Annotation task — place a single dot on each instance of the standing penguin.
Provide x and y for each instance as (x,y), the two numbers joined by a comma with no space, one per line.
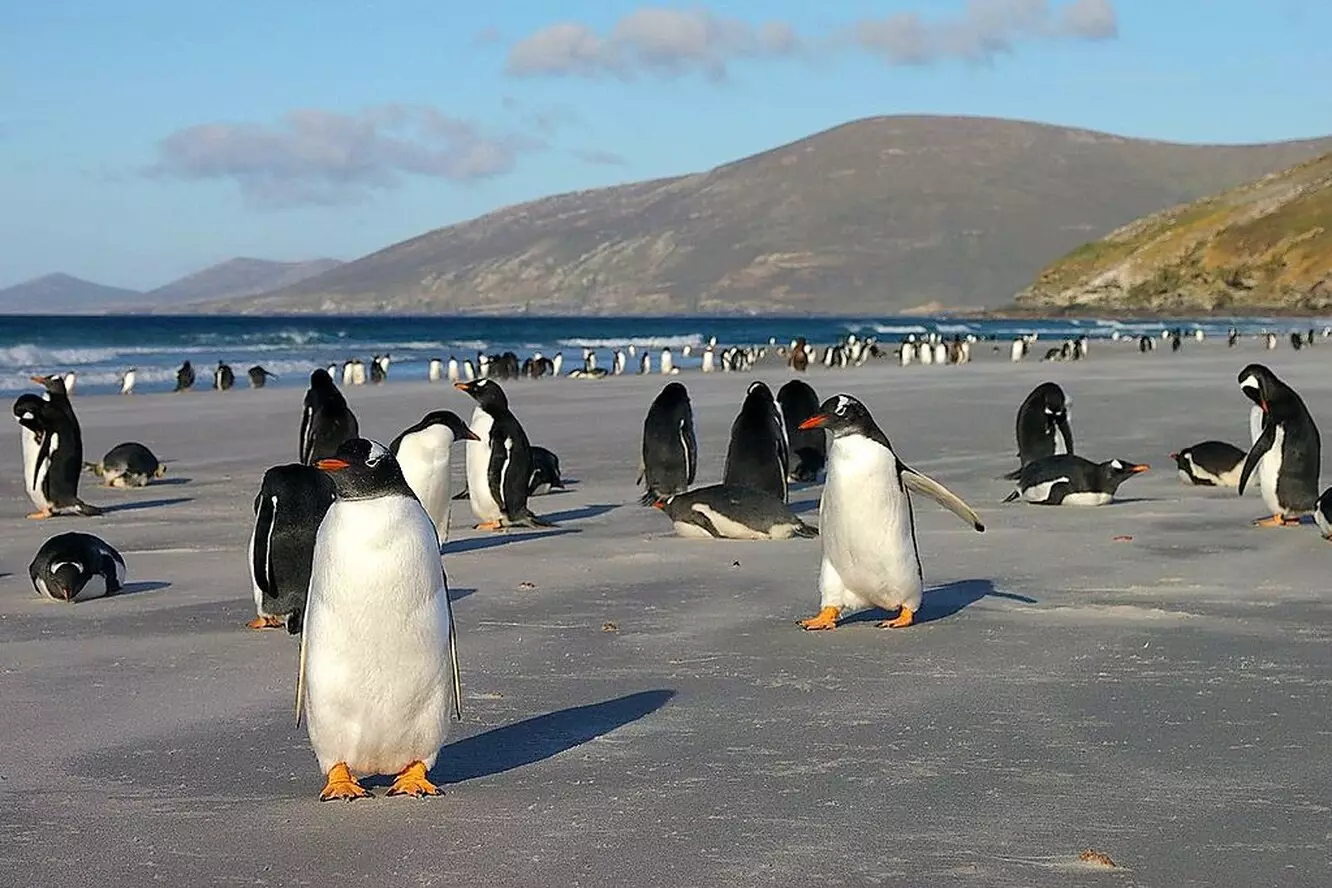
(76,566)
(184,377)
(757,454)
(52,451)
(808,449)
(127,381)
(870,558)
(422,451)
(669,455)
(259,376)
(499,461)
(326,421)
(1042,414)
(291,502)
(378,665)
(223,377)
(1288,447)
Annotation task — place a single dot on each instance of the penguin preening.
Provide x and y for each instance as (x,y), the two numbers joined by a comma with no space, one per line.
(423,451)
(545,472)
(291,502)
(76,566)
(807,450)
(1042,425)
(499,461)
(866,524)
(52,446)
(668,459)
(1210,464)
(378,670)
(723,511)
(1069,480)
(757,454)
(326,420)
(128,465)
(1286,451)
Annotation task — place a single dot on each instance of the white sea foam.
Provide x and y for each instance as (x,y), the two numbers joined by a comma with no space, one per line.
(636,341)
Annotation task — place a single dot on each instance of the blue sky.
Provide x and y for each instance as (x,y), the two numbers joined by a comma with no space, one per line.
(142,140)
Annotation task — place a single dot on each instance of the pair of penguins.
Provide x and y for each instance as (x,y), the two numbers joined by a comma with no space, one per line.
(866,523)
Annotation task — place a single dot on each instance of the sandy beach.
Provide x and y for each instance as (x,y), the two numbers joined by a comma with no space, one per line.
(641,709)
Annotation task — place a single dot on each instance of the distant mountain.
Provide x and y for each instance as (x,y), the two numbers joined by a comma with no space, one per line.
(235,278)
(1264,247)
(66,294)
(880,216)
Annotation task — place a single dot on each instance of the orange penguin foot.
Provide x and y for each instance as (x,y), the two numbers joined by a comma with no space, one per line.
(825,619)
(905,617)
(42,515)
(488,525)
(412,781)
(342,785)
(267,622)
(1276,521)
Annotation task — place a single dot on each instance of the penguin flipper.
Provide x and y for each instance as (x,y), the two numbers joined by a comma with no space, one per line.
(941,495)
(300,678)
(463,495)
(1257,452)
(1012,496)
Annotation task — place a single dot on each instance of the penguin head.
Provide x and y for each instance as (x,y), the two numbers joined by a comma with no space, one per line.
(320,381)
(1117,471)
(27,408)
(841,415)
(66,581)
(364,469)
(1181,458)
(1257,382)
(485,391)
(450,421)
(53,384)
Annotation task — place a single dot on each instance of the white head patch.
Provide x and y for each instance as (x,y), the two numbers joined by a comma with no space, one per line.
(843,402)
(377,452)
(1249,382)
(1116,465)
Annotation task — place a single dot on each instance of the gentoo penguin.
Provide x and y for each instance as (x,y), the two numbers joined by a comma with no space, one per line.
(1018,350)
(757,454)
(376,370)
(709,360)
(223,377)
(870,557)
(557,363)
(76,566)
(127,381)
(1210,464)
(422,451)
(734,513)
(184,377)
(358,372)
(291,502)
(499,461)
(808,448)
(379,668)
(645,362)
(1288,447)
(259,376)
(453,370)
(667,362)
(545,472)
(348,371)
(326,421)
(1070,480)
(52,452)
(436,370)
(668,459)
(128,465)
(469,370)
(1043,414)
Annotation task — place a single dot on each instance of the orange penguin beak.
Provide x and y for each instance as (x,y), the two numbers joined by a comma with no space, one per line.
(660,504)
(40,380)
(469,435)
(461,386)
(817,421)
(1136,469)
(332,464)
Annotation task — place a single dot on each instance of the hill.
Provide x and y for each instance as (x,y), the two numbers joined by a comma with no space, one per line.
(881,216)
(65,294)
(1262,247)
(237,277)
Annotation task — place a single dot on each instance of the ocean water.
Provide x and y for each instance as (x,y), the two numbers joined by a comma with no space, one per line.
(99,349)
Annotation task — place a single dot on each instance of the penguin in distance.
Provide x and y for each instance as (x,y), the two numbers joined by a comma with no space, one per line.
(866,523)
(184,377)
(378,667)
(1288,448)
(722,511)
(668,459)
(259,376)
(76,567)
(499,461)
(1070,480)
(809,448)
(291,502)
(1210,464)
(423,452)
(757,454)
(326,420)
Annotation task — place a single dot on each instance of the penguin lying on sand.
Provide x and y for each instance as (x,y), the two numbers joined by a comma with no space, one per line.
(870,557)
(128,465)
(732,512)
(76,567)
(1210,464)
(1069,480)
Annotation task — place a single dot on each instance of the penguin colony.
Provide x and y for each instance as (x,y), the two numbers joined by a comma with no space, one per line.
(377,675)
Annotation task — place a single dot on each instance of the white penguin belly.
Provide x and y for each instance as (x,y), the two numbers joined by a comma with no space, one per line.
(32,477)
(424,459)
(1270,467)
(484,506)
(728,527)
(1087,498)
(379,684)
(865,525)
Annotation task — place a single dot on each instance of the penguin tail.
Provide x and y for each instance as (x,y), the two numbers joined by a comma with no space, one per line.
(1012,496)
(82,508)
(464,494)
(804,530)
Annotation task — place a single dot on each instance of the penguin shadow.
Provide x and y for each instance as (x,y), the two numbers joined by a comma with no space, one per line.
(146,504)
(541,737)
(459,594)
(944,601)
(162,482)
(135,588)
(476,544)
(576,514)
